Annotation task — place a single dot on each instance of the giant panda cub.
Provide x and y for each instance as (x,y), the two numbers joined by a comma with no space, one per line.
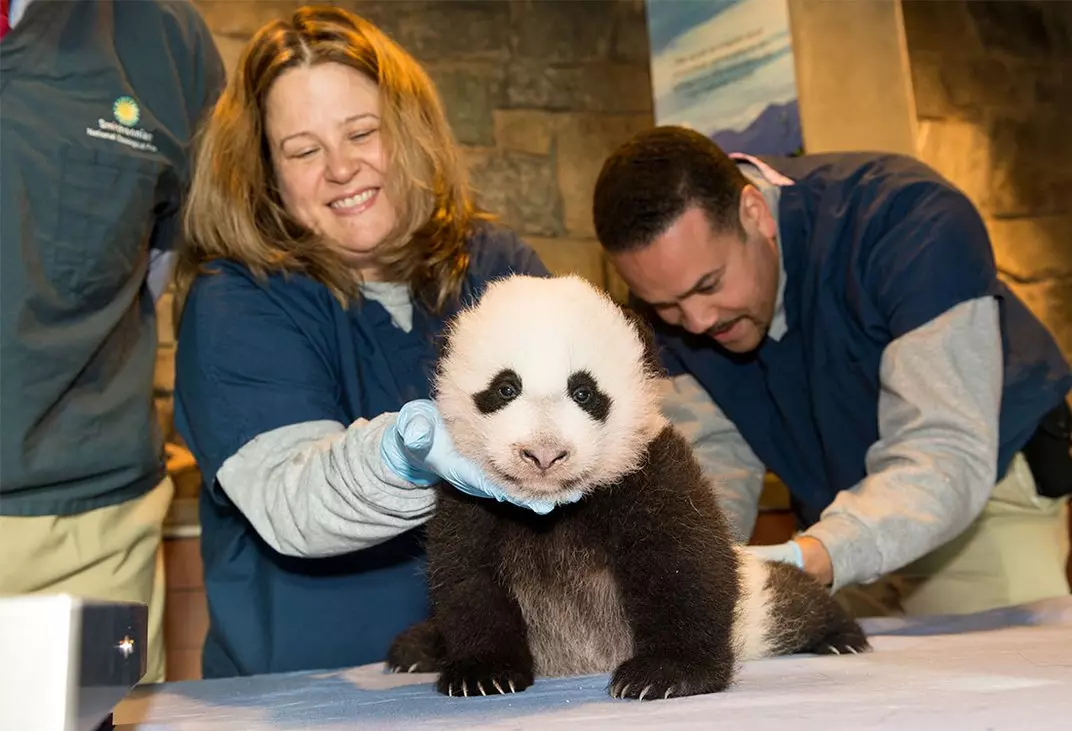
(554,390)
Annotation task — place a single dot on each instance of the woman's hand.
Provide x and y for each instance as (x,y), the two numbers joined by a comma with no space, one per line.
(418,448)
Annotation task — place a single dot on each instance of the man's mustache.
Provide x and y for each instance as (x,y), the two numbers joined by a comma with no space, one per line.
(721,327)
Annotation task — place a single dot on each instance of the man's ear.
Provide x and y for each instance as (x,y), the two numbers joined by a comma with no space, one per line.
(755,214)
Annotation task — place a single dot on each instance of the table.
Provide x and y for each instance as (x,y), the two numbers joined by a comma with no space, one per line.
(1003,669)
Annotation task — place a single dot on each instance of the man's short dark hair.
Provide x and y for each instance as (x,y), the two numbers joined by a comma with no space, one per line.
(652,179)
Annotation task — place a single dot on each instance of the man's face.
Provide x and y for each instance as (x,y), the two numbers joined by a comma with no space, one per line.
(708,282)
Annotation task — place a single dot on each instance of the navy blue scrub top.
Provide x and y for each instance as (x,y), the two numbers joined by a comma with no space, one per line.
(874,246)
(255,355)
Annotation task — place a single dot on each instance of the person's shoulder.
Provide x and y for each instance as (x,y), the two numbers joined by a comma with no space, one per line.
(228,296)
(496,250)
(219,284)
(858,169)
(183,15)
(182,27)
(224,274)
(224,283)
(488,239)
(176,31)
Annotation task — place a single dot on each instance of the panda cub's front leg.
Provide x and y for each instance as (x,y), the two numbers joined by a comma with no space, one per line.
(683,641)
(487,656)
(483,636)
(679,592)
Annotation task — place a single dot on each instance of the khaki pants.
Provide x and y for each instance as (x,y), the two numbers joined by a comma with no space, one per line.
(1014,552)
(112,553)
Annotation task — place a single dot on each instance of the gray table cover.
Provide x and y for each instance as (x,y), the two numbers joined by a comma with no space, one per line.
(1004,669)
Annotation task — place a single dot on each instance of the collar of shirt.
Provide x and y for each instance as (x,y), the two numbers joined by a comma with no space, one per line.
(15,9)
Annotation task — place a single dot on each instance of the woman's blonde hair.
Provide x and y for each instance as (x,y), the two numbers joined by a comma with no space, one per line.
(234,210)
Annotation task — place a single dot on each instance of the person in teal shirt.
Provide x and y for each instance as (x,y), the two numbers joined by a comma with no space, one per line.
(101,101)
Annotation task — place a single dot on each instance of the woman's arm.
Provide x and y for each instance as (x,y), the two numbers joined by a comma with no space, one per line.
(319,488)
(259,405)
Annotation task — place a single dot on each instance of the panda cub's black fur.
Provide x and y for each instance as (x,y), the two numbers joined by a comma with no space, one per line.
(639,577)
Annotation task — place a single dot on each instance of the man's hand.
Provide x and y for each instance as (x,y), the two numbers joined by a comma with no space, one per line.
(805,553)
(816,560)
(788,552)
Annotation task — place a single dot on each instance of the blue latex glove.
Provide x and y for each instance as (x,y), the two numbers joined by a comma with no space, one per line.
(788,552)
(418,448)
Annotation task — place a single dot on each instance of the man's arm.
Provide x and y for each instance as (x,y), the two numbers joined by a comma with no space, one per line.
(727,460)
(934,465)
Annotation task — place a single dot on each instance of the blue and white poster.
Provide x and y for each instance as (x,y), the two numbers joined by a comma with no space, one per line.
(725,68)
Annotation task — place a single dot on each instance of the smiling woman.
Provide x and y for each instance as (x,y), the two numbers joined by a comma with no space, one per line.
(330,235)
(323,110)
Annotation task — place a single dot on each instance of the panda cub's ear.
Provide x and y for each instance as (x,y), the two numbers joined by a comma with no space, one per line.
(647,337)
(441,340)
(441,347)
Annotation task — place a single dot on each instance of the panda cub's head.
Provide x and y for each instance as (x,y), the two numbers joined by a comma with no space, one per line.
(549,386)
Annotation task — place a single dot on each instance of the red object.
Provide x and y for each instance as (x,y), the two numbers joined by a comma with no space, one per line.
(5,26)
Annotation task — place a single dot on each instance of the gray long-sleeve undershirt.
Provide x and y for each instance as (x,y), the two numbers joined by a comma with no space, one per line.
(929,475)
(320,488)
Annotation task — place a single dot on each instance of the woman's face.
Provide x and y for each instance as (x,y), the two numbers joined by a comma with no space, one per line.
(323,128)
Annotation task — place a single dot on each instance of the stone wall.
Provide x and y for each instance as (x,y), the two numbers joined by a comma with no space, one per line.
(993,87)
(538,93)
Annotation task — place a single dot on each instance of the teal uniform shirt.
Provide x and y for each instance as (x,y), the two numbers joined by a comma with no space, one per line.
(100,101)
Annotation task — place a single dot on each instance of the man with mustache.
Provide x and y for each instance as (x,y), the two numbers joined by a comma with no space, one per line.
(838,320)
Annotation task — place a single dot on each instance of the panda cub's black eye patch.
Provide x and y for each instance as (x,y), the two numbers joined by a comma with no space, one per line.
(503,388)
(584,391)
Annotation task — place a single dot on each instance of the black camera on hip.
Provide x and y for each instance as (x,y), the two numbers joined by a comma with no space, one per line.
(1049,453)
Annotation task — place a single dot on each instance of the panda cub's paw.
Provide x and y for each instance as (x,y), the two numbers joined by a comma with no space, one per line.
(851,641)
(654,678)
(416,650)
(473,678)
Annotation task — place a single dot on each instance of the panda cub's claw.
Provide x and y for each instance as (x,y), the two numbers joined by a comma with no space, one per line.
(843,646)
(850,640)
(472,679)
(654,678)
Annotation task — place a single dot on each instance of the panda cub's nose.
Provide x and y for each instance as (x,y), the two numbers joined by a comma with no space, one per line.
(544,457)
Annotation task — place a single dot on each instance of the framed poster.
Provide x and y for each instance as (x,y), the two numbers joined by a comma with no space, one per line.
(725,68)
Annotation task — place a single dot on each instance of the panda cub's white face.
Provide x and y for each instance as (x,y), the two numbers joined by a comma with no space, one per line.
(544,385)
